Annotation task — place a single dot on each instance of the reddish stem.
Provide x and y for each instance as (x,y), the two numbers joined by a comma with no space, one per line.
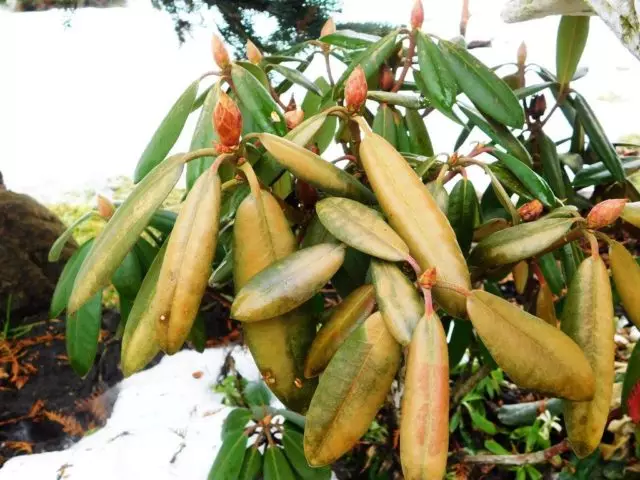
(407,63)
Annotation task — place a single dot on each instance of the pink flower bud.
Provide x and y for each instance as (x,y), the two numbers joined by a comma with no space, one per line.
(220,54)
(293,118)
(328,28)
(105,207)
(417,15)
(355,91)
(522,54)
(531,210)
(253,53)
(386,78)
(605,213)
(227,120)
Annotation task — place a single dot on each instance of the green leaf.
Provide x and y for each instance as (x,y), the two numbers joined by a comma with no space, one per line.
(349,39)
(534,183)
(257,72)
(252,464)
(204,135)
(198,333)
(296,77)
(418,134)
(353,272)
(551,272)
(402,134)
(440,85)
(235,422)
(570,260)
(167,133)
(123,230)
(509,181)
(462,213)
(483,87)
(524,92)
(146,253)
(228,462)
(632,376)
(294,451)
(495,448)
(164,220)
(551,166)
(65,283)
(199,101)
(459,342)
(369,59)
(82,332)
(283,58)
(480,422)
(402,99)
(384,125)
(258,101)
(572,37)
(499,134)
(61,241)
(598,173)
(128,277)
(257,394)
(597,138)
(311,105)
(276,466)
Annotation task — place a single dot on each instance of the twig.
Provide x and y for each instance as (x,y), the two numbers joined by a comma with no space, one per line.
(407,63)
(276,97)
(561,97)
(469,384)
(532,458)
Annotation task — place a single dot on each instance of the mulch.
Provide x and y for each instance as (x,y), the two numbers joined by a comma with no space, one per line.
(46,406)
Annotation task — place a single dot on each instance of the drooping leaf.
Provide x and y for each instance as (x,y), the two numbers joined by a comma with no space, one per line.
(534,183)
(204,136)
(598,173)
(351,390)
(531,89)
(167,133)
(123,230)
(499,134)
(483,87)
(61,241)
(462,213)
(551,166)
(251,465)
(64,286)
(287,283)
(257,72)
(418,135)
(82,332)
(362,228)
(440,85)
(297,78)
(598,139)
(257,394)
(384,125)
(552,273)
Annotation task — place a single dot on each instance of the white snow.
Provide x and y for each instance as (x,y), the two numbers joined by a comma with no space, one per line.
(165,425)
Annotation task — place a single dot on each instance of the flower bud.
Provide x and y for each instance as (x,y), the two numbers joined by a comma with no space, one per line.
(253,53)
(386,78)
(537,106)
(105,207)
(328,28)
(530,211)
(355,91)
(417,15)
(605,213)
(293,118)
(220,54)
(227,120)
(522,54)
(428,279)
(464,18)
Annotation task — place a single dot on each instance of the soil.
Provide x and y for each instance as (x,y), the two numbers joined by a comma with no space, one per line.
(46,406)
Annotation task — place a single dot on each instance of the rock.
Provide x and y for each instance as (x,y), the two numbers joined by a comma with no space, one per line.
(621,16)
(27,231)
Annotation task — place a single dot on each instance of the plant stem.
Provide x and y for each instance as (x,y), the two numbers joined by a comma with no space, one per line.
(276,97)
(250,175)
(202,152)
(407,62)
(532,458)
(461,390)
(328,64)
(561,97)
